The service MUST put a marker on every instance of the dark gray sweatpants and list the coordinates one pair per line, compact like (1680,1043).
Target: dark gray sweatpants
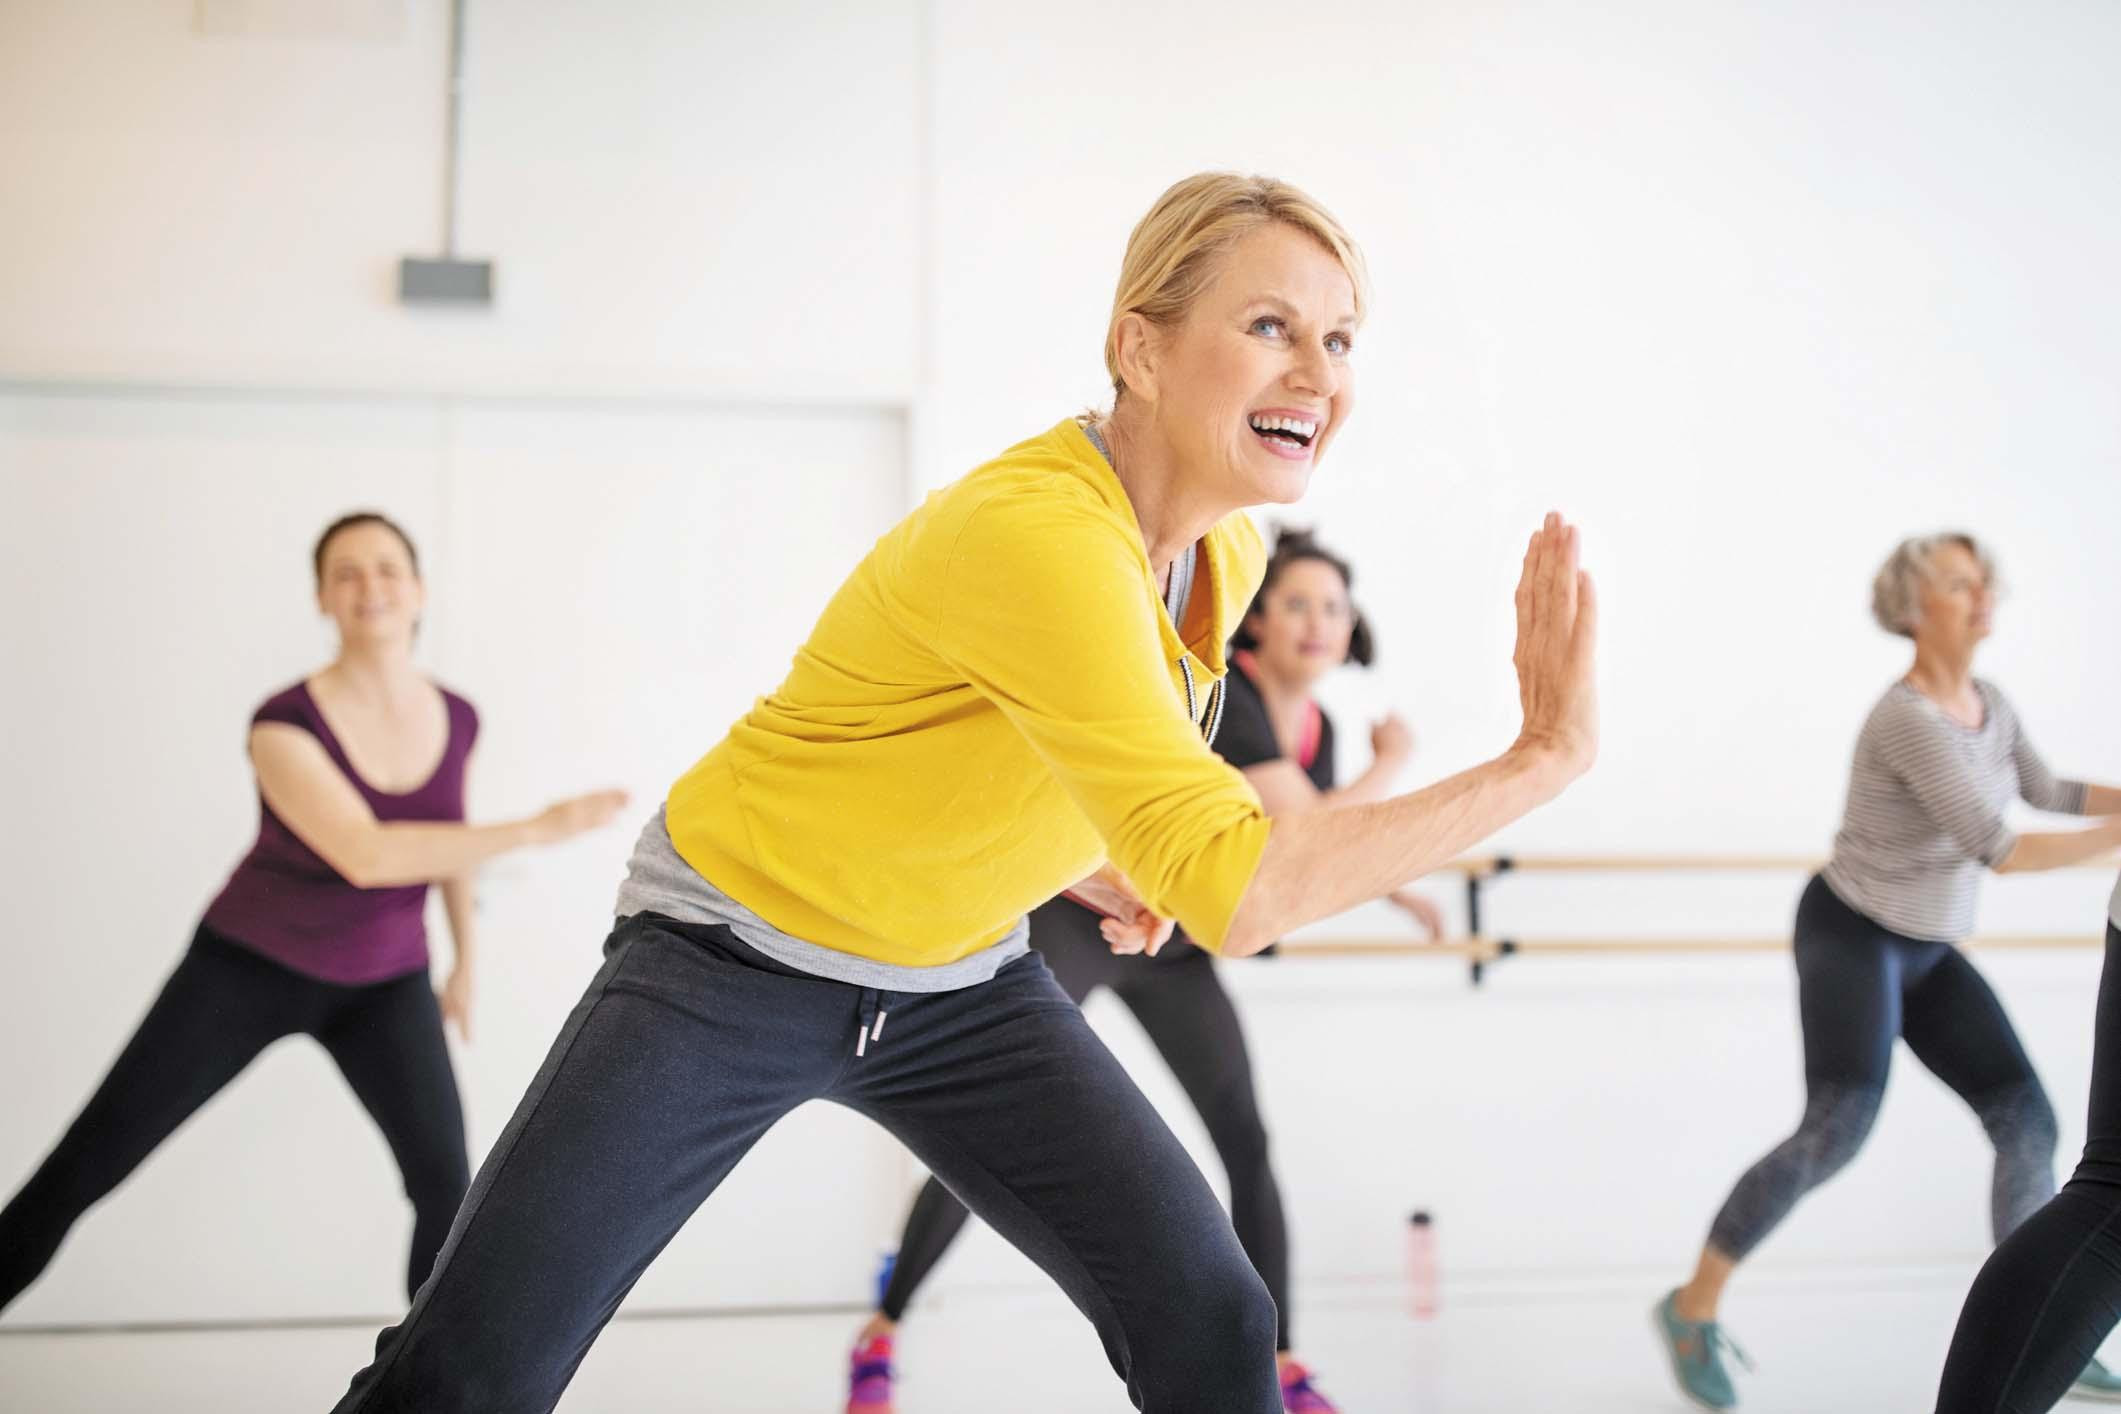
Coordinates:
(689,1045)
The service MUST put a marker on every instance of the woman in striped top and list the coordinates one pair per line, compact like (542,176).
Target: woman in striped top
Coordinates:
(1939,759)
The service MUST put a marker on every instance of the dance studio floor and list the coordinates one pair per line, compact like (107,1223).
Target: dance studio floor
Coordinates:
(1851,1342)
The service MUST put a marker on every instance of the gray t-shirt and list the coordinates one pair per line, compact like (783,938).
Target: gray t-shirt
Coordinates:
(1926,810)
(658,880)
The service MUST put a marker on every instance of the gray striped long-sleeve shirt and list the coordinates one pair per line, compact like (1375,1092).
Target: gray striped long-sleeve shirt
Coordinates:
(1926,807)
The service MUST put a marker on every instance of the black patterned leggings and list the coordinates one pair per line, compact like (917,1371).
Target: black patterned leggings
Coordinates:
(1860,987)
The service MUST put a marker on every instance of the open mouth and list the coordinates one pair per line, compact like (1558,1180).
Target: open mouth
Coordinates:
(1287,435)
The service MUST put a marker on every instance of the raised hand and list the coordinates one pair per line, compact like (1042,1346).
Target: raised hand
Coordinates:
(1557,641)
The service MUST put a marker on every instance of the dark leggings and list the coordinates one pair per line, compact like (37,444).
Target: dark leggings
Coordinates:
(220,1008)
(1181,1004)
(1859,987)
(2049,1295)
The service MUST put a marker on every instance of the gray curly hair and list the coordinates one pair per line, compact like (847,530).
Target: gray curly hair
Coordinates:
(1896,594)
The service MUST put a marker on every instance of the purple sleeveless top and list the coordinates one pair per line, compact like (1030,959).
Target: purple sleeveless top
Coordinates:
(285,902)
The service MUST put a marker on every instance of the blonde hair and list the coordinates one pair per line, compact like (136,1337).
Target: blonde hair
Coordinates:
(1896,594)
(1175,249)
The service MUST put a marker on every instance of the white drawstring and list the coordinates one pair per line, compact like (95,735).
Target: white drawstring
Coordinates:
(863,1035)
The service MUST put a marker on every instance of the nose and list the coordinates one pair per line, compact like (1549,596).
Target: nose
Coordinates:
(1314,372)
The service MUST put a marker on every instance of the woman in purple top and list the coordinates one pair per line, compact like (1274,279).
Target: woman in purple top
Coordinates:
(320,930)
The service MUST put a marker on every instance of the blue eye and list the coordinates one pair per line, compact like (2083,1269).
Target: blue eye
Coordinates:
(1339,345)
(1266,322)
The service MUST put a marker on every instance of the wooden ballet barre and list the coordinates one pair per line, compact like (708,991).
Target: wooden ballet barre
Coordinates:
(1490,865)
(1490,949)
(1481,870)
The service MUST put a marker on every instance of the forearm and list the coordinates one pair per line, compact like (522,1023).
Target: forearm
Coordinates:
(460,901)
(2102,800)
(1318,864)
(408,853)
(2061,849)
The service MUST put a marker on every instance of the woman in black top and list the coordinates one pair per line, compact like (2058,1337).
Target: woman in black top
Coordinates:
(1301,626)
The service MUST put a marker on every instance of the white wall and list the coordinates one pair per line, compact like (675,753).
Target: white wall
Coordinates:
(1749,290)
(685,199)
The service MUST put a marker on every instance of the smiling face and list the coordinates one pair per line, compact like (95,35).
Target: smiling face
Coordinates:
(1249,388)
(1304,623)
(368,586)
(1958,602)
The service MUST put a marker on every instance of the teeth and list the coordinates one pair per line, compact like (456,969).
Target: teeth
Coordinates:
(1301,428)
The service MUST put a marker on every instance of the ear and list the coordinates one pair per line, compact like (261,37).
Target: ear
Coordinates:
(1135,347)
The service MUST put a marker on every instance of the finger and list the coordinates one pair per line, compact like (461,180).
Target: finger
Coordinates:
(1551,556)
(1561,581)
(1547,592)
(1586,619)
(1569,569)
(1523,597)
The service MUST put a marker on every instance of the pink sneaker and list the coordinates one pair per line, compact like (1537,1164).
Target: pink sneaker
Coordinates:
(869,1377)
(1297,1394)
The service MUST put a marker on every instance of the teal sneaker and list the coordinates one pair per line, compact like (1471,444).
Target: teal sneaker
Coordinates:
(1695,1349)
(2097,1382)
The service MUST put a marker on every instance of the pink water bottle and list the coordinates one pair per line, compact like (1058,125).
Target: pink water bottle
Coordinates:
(1421,1266)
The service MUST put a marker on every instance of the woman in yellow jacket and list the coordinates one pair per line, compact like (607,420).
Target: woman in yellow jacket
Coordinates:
(1013,693)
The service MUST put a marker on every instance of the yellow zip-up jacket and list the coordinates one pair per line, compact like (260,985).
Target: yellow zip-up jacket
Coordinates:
(993,704)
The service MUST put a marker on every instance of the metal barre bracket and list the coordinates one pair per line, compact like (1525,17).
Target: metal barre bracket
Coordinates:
(1477,968)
